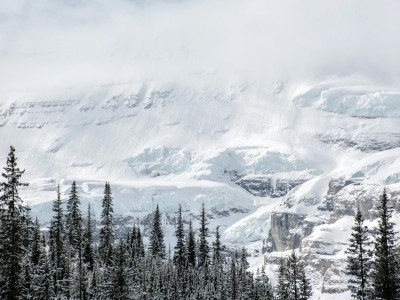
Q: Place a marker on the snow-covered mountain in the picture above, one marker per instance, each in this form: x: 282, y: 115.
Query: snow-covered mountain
x: 276, y: 128
x: 280, y: 168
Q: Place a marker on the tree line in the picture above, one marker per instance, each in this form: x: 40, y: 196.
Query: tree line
x: 66, y: 262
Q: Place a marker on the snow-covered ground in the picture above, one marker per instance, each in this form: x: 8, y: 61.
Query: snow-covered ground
x: 184, y: 145
x: 274, y: 115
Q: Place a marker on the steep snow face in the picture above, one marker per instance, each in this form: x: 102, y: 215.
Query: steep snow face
x: 273, y: 167
x: 198, y: 132
x: 273, y: 114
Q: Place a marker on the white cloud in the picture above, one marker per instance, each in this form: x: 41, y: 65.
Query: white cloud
x: 52, y: 44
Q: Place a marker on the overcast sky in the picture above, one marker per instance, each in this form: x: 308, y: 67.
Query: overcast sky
x: 47, y: 44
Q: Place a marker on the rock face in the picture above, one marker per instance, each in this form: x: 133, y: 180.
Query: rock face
x: 344, y: 196
x: 285, y: 232
x: 335, y: 186
x: 267, y: 185
x: 366, y: 144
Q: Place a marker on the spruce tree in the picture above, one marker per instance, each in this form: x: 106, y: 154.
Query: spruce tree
x: 386, y: 265
x: 179, y: 253
x: 293, y: 276
x: 244, y: 277
x: 135, y: 243
x: 27, y: 277
x: 56, y: 243
x: 217, y: 247
x: 13, y: 230
x: 118, y: 275
x: 36, y: 246
x: 43, y: 286
x: 65, y: 284
x: 292, y: 280
x: 140, y: 244
x: 204, y: 248
x: 358, y: 260
x: 233, y: 281
x: 282, y: 287
x: 191, y: 246
x: 94, y: 290
x: 131, y: 243
x: 305, y: 284
x: 265, y: 286
x: 79, y: 284
x: 107, y: 223
x: 157, y: 245
x: 74, y: 219
x: 88, y: 251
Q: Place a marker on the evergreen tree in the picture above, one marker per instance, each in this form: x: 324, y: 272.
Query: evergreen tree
x: 56, y: 243
x: 140, y: 244
x: 264, y: 286
x: 282, y: 287
x: 131, y: 243
x: 386, y: 265
x: 233, y: 281
x: 13, y: 230
x: 218, y: 278
x: 107, y: 223
x: 118, y: 276
x: 74, y: 219
x: 358, y: 260
x: 88, y: 252
x: 217, y: 247
x: 305, y: 284
x: 78, y: 273
x: 27, y: 277
x: 136, y: 246
x: 157, y: 245
x: 93, y: 285
x: 36, y: 246
x: 293, y: 276
x: 191, y: 246
x: 43, y: 286
x: 292, y: 280
x: 79, y: 284
x: 65, y: 285
x: 243, y: 275
x: 204, y: 248
x: 179, y: 253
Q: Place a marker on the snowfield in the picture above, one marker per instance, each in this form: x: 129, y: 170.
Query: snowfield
x: 247, y: 160
x: 281, y: 118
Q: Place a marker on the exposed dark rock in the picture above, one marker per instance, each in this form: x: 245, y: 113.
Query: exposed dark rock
x: 365, y: 144
x: 335, y: 185
x: 265, y: 185
x: 286, y: 232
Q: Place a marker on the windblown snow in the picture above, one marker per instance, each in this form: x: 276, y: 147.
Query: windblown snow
x: 259, y: 119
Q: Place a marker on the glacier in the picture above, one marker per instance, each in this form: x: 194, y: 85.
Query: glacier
x: 270, y: 167
x: 281, y: 118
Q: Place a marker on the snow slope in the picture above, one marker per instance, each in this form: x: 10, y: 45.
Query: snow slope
x: 170, y: 144
x: 279, y: 117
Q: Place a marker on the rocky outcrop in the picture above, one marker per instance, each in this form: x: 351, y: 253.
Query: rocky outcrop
x: 266, y: 185
x: 285, y: 233
x: 344, y: 196
x: 365, y: 143
x: 335, y: 186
